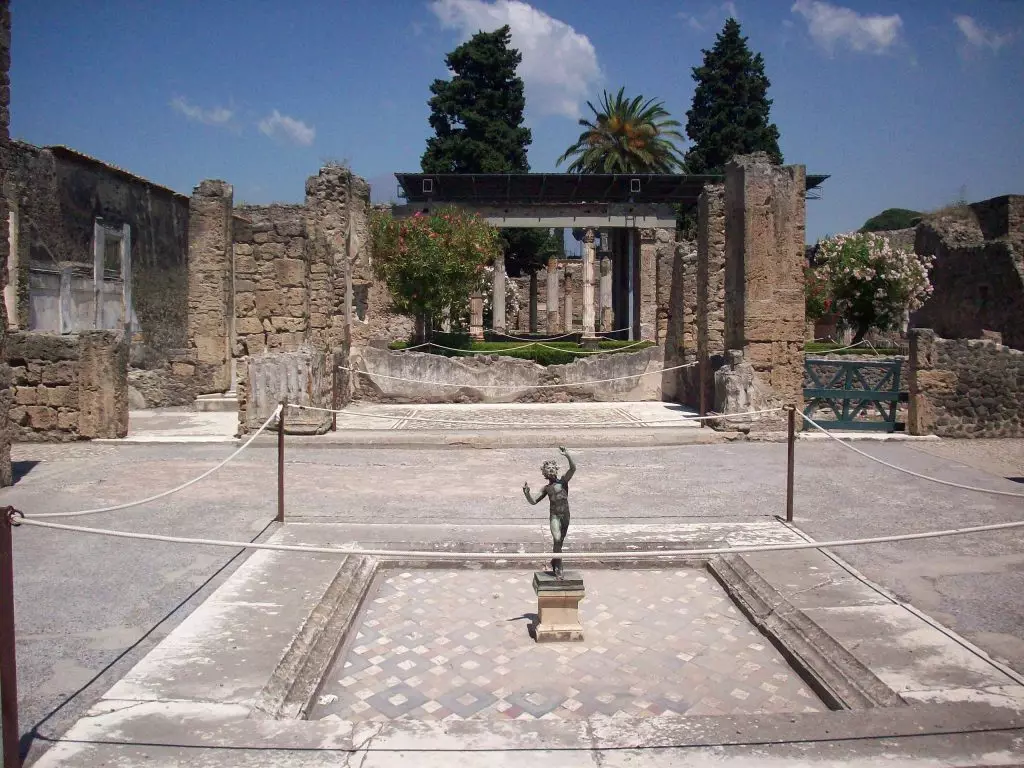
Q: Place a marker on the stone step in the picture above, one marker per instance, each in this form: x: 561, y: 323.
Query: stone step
x: 225, y: 402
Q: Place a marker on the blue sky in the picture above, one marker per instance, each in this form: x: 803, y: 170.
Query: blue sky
x: 909, y: 104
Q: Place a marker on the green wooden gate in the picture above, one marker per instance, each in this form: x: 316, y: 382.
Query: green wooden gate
x: 854, y: 394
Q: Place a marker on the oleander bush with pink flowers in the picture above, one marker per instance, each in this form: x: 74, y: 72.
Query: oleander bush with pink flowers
x: 867, y: 281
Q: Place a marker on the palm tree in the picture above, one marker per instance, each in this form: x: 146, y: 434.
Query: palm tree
x: 626, y: 136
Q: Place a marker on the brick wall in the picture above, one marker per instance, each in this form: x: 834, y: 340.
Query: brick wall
x: 965, y: 387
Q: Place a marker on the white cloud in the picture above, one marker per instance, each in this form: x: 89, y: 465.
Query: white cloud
x: 976, y: 36
x: 713, y: 17
x: 214, y: 116
x: 559, y: 64
x: 830, y: 25
x: 278, y: 126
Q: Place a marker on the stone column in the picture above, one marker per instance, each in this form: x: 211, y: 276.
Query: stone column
x: 209, y: 284
x: 567, y: 287
x: 476, y: 316
x: 533, y: 302
x: 710, y: 283
x: 102, y: 383
x: 498, y: 295
x: 607, y: 314
x: 552, y: 324
x: 764, y: 272
x: 647, y: 295
x: 589, y: 251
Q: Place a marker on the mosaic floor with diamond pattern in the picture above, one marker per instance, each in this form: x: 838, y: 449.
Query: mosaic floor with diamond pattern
x: 435, y: 644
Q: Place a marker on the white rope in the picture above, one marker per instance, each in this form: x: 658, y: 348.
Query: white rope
x: 820, y: 428
x: 638, y: 423
x: 523, y: 346
x: 515, y: 386
x: 181, y: 487
x: 529, y: 556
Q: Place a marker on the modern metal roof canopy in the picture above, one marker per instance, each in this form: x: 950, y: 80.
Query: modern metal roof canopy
x: 559, y: 188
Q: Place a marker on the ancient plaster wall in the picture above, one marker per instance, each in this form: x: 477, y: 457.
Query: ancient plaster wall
x: 68, y: 387
x: 59, y: 193
x: 764, y: 279
x: 965, y: 387
x: 978, y: 272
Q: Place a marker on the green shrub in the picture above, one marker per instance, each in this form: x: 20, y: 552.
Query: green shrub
x: 892, y: 218
x: 552, y: 353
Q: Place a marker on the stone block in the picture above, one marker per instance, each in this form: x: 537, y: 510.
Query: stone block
x: 245, y: 264
x: 184, y: 370
x: 7, y: 421
x: 267, y: 302
x: 248, y: 325
x: 61, y: 396
x: 62, y: 372
x: 67, y: 420
x: 40, y: 346
x: 26, y: 396
x: 242, y: 249
x: 301, y: 376
x: 41, y: 417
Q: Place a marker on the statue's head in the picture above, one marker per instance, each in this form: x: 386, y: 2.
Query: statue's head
x: 550, y: 470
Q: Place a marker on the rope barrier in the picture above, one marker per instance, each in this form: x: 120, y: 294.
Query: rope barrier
x: 515, y: 386
x: 522, y: 346
x: 528, y: 556
x: 641, y: 423
x: 181, y: 487
x: 820, y: 428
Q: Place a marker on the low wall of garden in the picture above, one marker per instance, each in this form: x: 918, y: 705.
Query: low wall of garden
x: 965, y: 387
x: 387, y: 376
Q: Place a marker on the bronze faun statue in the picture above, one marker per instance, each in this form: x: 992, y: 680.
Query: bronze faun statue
x: 557, y: 491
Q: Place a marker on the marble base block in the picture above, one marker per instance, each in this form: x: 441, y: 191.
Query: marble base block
x: 558, y: 606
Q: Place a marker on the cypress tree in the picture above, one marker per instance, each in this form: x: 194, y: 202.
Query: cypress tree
x: 730, y: 108
x: 477, y: 116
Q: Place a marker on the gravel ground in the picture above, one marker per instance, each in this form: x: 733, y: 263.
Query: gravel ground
x: 88, y: 608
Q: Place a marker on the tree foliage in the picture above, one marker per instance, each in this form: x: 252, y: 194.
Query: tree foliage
x: 626, y: 136
x: 869, y: 283
x: 431, y: 264
x: 892, y: 218
x: 730, y: 111
x: 477, y: 115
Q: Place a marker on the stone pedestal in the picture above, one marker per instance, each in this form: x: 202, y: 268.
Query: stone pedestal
x: 498, y: 296
x: 558, y: 606
x: 567, y: 301
x: 607, y: 313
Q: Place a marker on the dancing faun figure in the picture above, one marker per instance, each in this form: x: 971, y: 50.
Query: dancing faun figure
x: 557, y: 491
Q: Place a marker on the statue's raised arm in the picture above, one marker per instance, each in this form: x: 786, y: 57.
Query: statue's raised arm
x: 572, y: 466
x: 529, y: 497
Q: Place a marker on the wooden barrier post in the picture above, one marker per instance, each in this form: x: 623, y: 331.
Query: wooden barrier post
x: 790, y: 462
x: 280, y: 462
x: 8, y: 659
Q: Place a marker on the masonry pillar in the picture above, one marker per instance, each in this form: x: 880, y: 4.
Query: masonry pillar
x: 567, y: 287
x: 498, y: 295
x: 648, y: 293
x: 607, y: 313
x: 476, y: 316
x: 552, y: 324
x: 589, y: 251
x: 710, y: 284
x: 764, y: 277
x: 209, y: 284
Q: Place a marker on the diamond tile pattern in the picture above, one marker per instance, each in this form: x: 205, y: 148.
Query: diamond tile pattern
x: 441, y: 645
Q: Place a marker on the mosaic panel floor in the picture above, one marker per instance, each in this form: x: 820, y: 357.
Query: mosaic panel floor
x: 433, y: 645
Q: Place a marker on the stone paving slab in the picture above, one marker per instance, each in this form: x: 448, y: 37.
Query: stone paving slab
x: 437, y: 644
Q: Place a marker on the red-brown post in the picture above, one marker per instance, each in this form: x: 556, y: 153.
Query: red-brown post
x: 280, y: 462
x: 8, y: 659
x: 790, y: 462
